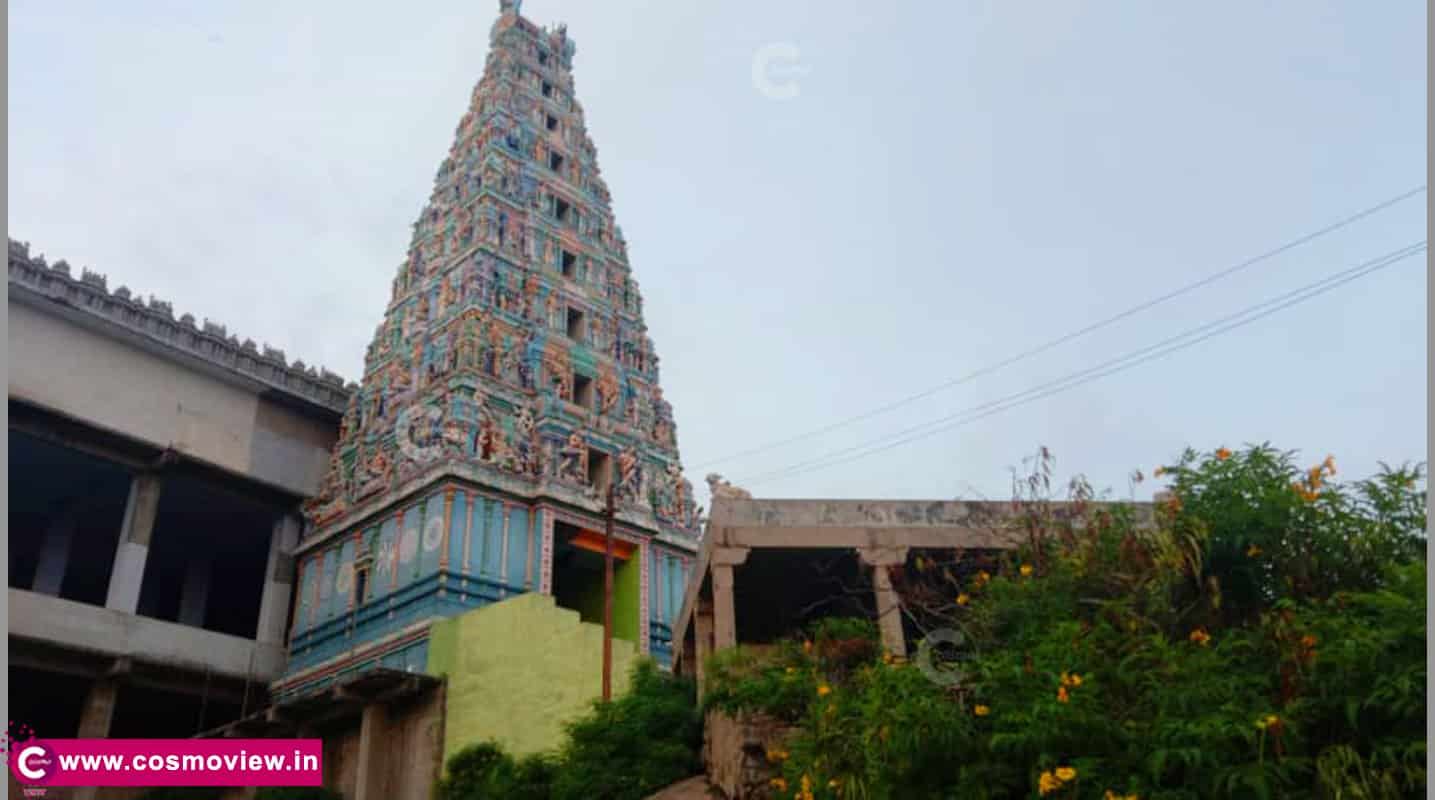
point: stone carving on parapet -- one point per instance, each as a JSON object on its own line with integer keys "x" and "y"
{"x": 722, "y": 488}
{"x": 154, "y": 319}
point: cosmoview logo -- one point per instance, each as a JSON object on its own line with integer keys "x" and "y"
{"x": 939, "y": 657}
{"x": 403, "y": 433}
{"x": 775, "y": 68}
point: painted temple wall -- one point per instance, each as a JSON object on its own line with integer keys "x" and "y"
{"x": 518, "y": 670}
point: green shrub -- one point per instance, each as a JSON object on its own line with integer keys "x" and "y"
{"x": 1264, "y": 638}
{"x": 622, "y": 750}
{"x": 637, "y": 744}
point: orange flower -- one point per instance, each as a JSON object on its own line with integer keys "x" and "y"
{"x": 1026, "y": 570}
{"x": 1065, "y": 773}
{"x": 963, "y": 599}
{"x": 824, "y": 690}
{"x": 1061, "y": 695}
{"x": 1200, "y": 637}
{"x": 981, "y": 710}
{"x": 1223, "y": 454}
{"x": 1307, "y": 641}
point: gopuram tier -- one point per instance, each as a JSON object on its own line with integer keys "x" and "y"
{"x": 510, "y": 383}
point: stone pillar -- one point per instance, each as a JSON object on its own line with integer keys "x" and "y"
{"x": 133, "y": 550}
{"x": 194, "y": 596}
{"x": 55, "y": 551}
{"x": 724, "y": 608}
{"x": 374, "y": 750}
{"x": 703, "y": 641}
{"x": 278, "y": 580}
{"x": 889, "y": 606}
{"x": 99, "y": 709}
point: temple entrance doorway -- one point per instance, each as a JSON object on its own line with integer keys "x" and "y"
{"x": 578, "y": 578}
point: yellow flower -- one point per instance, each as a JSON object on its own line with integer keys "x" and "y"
{"x": 1253, "y": 551}
{"x": 824, "y": 690}
{"x": 1065, "y": 774}
{"x": 981, "y": 710}
{"x": 779, "y": 784}
{"x": 963, "y": 599}
{"x": 791, "y": 670}
{"x": 1223, "y": 454}
{"x": 1061, "y": 695}
{"x": 1048, "y": 783}
{"x": 1070, "y": 680}
{"x": 886, "y": 658}
{"x": 1026, "y": 570}
{"x": 1267, "y": 721}
{"x": 832, "y": 784}
{"x": 775, "y": 756}
{"x": 1200, "y": 637}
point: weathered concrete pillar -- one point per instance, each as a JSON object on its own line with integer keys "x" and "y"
{"x": 889, "y": 606}
{"x": 55, "y": 551}
{"x": 99, "y": 709}
{"x": 703, "y": 640}
{"x": 194, "y": 595}
{"x": 133, "y": 550}
{"x": 371, "y": 779}
{"x": 724, "y": 607}
{"x": 278, "y": 580}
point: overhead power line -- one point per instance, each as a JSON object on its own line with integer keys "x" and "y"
{"x": 1063, "y": 339}
{"x": 1080, "y": 377}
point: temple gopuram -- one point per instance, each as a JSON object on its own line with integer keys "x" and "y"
{"x": 509, "y": 384}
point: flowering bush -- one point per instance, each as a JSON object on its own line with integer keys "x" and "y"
{"x": 1261, "y": 635}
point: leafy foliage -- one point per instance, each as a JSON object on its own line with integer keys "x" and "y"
{"x": 1261, "y": 635}
{"x": 623, "y": 750}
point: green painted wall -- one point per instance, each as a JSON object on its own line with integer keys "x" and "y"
{"x": 519, "y": 669}
{"x": 626, "y": 583}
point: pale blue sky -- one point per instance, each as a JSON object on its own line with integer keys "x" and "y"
{"x": 953, "y": 183}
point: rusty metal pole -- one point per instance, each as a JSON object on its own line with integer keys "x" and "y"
{"x": 608, "y": 598}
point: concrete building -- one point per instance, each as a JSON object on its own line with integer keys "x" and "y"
{"x": 157, "y": 466}
{"x": 769, "y": 567}
{"x": 209, "y": 540}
